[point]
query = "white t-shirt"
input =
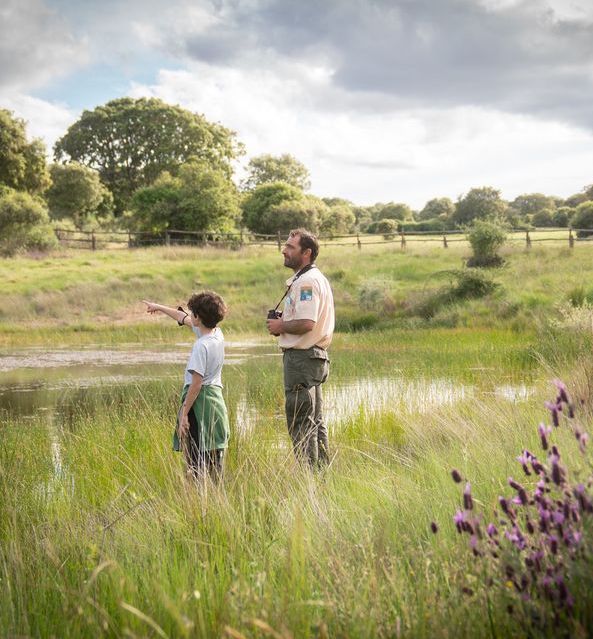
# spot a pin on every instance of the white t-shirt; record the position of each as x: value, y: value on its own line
x: 206, y: 358
x: 310, y: 297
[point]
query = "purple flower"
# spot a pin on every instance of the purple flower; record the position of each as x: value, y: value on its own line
x: 562, y: 391
x: 434, y: 527
x: 459, y: 519
x: 553, y: 408
x: 543, y: 435
x: 523, y: 459
x: 468, y: 502
x: 491, y: 530
x: 557, y: 472
x: 456, y: 476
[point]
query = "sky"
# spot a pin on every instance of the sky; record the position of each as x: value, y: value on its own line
x: 382, y: 100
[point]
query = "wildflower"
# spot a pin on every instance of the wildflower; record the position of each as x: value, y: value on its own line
x: 456, y: 476
x: 468, y: 502
x: 434, y: 527
x: 459, y: 519
x: 562, y: 391
x: 491, y: 530
x: 523, y: 459
x: 557, y: 472
x: 553, y: 408
x: 543, y: 435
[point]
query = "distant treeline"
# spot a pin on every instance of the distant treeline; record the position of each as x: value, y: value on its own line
x: 142, y: 165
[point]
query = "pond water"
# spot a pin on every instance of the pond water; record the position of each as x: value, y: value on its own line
x: 53, y: 383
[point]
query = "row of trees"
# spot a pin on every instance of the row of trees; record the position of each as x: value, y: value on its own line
x: 144, y: 165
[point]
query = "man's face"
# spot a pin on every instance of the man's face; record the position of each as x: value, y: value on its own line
x: 294, y: 256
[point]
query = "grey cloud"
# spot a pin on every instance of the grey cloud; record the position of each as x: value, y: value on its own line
x: 35, y: 45
x: 522, y: 58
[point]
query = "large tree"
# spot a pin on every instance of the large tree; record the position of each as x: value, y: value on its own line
x: 199, y: 198
x: 22, y: 163
x: 532, y: 203
x: 266, y: 169
x: 258, y: 203
x: 130, y: 142
x: 77, y: 193
x: 391, y: 211
x: 479, y: 204
x: 438, y: 207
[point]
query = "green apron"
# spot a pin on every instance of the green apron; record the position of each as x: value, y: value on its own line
x: 211, y: 416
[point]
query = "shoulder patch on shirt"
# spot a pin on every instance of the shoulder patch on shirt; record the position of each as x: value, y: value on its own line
x: 306, y: 294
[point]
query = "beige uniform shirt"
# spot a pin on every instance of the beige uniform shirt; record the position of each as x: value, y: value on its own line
x: 311, y: 298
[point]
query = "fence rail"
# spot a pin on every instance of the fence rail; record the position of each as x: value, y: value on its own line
x: 93, y: 240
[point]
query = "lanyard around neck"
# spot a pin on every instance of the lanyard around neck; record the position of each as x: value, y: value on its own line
x: 296, y: 277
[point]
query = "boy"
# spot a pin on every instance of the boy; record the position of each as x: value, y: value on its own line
x: 203, y: 424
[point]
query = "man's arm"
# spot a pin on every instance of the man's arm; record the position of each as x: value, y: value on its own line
x: 181, y: 317
x: 293, y: 327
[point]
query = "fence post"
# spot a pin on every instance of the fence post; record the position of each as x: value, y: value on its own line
x: 445, y: 245
x: 358, y: 242
x: 570, y: 239
x: 129, y: 239
x: 527, y: 239
x: 241, y: 237
x: 279, y: 242
x: 167, y: 238
x: 93, y: 241
x: 403, y: 239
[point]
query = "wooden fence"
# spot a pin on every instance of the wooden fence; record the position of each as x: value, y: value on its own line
x: 113, y: 240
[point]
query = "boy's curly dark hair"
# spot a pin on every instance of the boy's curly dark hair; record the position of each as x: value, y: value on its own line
x: 209, y: 307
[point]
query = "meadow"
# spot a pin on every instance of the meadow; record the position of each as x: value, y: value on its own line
x: 101, y: 534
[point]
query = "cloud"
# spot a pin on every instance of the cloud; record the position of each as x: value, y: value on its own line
x: 524, y: 56
x: 36, y: 45
x: 45, y: 120
x: 408, y: 155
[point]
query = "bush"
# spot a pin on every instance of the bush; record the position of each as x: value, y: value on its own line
x: 24, y: 224
x: 388, y: 228
x: 373, y: 295
x: 435, y: 224
x: 464, y: 285
x: 583, y: 219
x: 486, y: 238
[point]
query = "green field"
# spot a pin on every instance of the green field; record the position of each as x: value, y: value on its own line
x: 102, y: 535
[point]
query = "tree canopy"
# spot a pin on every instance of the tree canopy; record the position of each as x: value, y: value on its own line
x: 267, y: 169
x: 77, y: 194
x: 439, y: 207
x: 199, y: 198
x: 22, y: 163
x: 130, y: 142
x: 258, y: 203
x: 479, y: 204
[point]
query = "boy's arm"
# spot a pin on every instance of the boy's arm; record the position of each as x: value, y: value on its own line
x: 192, y: 394
x: 181, y: 317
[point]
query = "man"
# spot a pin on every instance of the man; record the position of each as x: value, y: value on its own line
x: 304, y: 333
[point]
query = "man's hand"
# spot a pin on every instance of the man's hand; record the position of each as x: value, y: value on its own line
x: 275, y: 326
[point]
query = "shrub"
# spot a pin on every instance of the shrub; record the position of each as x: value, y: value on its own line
x: 583, y: 219
x: 388, y: 228
x: 373, y: 295
x: 464, y: 285
x: 24, y: 224
x: 486, y: 238
x: 536, y: 554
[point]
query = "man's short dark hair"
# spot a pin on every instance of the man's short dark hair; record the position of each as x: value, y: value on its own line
x: 307, y: 241
x: 209, y: 307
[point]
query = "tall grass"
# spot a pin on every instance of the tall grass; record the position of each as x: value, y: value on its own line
x: 103, y: 535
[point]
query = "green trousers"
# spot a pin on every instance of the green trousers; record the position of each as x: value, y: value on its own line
x: 304, y: 372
